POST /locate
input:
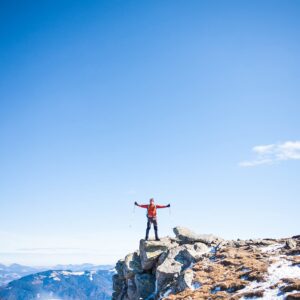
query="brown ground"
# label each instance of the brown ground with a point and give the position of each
(231, 270)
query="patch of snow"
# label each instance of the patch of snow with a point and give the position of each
(282, 268)
(245, 270)
(271, 248)
(166, 294)
(68, 273)
(91, 275)
(56, 279)
(54, 275)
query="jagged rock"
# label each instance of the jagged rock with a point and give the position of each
(290, 244)
(151, 250)
(132, 265)
(178, 259)
(131, 290)
(196, 251)
(185, 235)
(170, 267)
(119, 268)
(117, 283)
(239, 243)
(145, 285)
(185, 280)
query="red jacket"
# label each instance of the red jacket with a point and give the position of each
(152, 209)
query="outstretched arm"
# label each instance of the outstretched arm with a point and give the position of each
(141, 205)
(163, 206)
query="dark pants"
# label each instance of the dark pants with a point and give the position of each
(154, 222)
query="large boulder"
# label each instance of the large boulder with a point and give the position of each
(195, 251)
(290, 244)
(118, 283)
(145, 285)
(120, 267)
(132, 265)
(185, 235)
(171, 264)
(151, 250)
(131, 289)
(169, 268)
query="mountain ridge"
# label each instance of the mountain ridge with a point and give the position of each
(60, 285)
(203, 266)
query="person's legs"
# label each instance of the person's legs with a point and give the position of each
(148, 229)
(155, 229)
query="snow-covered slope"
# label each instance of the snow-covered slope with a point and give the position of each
(12, 272)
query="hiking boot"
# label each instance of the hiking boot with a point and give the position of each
(157, 239)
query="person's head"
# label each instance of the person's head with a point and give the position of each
(151, 201)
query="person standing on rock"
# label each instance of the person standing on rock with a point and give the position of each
(151, 216)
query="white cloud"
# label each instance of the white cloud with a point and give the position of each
(269, 154)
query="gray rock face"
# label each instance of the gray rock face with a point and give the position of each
(117, 284)
(119, 267)
(290, 244)
(185, 281)
(260, 242)
(178, 259)
(132, 265)
(151, 250)
(185, 235)
(195, 252)
(145, 285)
(239, 243)
(131, 289)
(170, 267)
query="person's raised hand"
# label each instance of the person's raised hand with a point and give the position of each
(169, 205)
(135, 203)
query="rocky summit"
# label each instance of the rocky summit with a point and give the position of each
(204, 266)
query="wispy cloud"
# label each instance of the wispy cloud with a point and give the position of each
(269, 154)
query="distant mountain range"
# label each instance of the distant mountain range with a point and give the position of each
(61, 285)
(16, 271)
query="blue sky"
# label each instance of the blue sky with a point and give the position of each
(103, 103)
